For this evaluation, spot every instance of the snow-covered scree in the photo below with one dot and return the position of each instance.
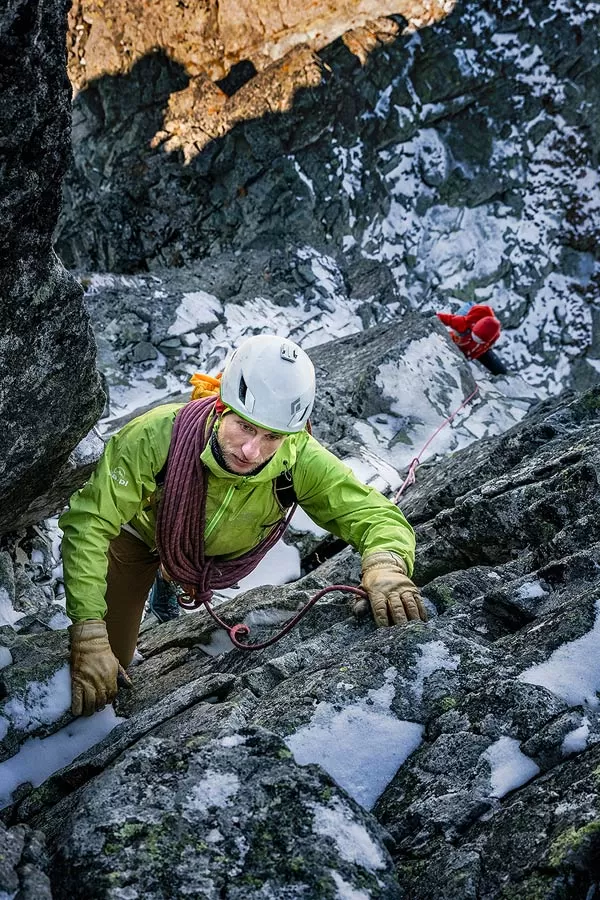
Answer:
(31, 585)
(423, 388)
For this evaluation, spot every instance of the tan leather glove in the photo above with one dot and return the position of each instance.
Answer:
(94, 667)
(394, 599)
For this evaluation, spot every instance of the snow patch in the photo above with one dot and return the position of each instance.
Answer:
(345, 891)
(233, 740)
(572, 672)
(351, 838)
(42, 702)
(8, 614)
(39, 758)
(530, 590)
(345, 742)
(510, 768)
(196, 310)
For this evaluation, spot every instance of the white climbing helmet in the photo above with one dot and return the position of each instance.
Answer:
(270, 381)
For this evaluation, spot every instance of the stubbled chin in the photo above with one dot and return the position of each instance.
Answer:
(242, 469)
(239, 468)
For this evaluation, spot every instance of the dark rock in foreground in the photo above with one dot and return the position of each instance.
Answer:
(231, 817)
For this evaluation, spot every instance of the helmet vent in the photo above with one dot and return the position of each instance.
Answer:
(243, 390)
(271, 382)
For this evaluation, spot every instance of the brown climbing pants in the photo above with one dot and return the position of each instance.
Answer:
(132, 568)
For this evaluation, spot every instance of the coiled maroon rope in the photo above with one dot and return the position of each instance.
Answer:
(181, 516)
(181, 519)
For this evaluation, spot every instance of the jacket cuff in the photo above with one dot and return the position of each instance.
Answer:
(384, 559)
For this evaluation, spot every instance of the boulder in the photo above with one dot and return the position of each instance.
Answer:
(51, 392)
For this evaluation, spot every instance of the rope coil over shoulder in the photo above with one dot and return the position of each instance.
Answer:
(181, 514)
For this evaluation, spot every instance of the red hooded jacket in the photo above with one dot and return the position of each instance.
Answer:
(475, 332)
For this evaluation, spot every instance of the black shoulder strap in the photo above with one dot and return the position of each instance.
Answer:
(284, 489)
(159, 478)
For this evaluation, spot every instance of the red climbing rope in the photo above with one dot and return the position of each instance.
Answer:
(410, 478)
(234, 630)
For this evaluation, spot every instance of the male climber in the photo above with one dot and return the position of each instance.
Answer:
(191, 489)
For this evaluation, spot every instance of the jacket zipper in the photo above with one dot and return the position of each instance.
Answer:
(210, 527)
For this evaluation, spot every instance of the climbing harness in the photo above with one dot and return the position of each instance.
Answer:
(410, 478)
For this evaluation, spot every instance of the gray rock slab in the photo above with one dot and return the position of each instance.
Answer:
(437, 729)
(234, 814)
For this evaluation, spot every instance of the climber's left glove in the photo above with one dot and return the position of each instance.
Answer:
(394, 598)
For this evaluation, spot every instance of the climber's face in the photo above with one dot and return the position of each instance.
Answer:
(246, 447)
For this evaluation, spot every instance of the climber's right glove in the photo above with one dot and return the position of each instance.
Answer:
(394, 598)
(94, 667)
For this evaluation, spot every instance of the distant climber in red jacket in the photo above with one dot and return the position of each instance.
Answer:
(475, 332)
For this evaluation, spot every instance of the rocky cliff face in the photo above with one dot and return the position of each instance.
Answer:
(462, 751)
(107, 37)
(50, 394)
(462, 159)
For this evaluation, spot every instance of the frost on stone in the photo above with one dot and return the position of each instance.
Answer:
(88, 451)
(42, 702)
(215, 789)
(351, 838)
(434, 656)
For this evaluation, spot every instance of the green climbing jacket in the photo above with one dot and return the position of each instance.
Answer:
(240, 509)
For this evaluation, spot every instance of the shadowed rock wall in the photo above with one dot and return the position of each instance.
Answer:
(50, 393)
(463, 158)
